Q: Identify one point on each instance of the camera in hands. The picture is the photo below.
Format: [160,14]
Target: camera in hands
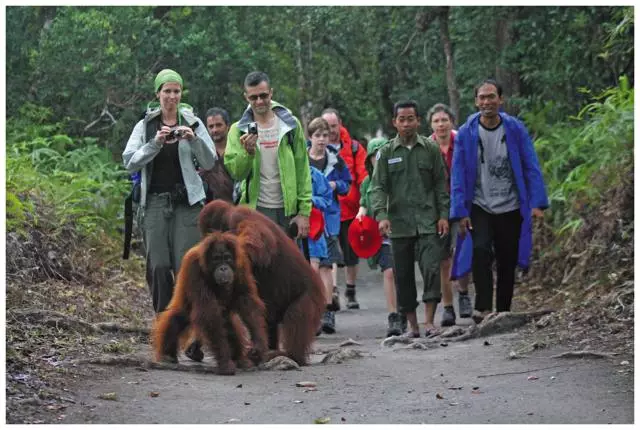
[175,134]
[253,128]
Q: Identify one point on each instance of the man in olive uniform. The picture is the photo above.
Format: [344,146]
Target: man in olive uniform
[410,201]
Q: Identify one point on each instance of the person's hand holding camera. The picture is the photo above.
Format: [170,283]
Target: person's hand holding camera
[168,135]
[250,140]
[184,132]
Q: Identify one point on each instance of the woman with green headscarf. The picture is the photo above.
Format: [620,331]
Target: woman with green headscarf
[163,146]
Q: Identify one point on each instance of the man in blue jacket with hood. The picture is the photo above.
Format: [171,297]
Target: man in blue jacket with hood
[496,188]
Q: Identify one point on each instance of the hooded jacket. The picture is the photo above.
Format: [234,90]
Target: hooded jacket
[526,174]
[350,203]
[293,162]
[142,148]
[322,197]
[374,145]
[336,170]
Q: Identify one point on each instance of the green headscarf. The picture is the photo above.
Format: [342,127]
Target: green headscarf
[167,75]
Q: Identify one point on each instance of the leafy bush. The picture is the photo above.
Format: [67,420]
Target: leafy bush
[75,178]
[586,156]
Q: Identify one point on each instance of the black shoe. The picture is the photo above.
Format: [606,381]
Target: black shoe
[335,299]
[464,306]
[448,317]
[350,294]
[329,322]
[194,351]
[395,324]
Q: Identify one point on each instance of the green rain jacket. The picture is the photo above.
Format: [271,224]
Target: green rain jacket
[293,162]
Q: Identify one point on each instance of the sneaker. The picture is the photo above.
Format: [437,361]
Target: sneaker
[335,299]
[395,324]
[448,317]
[329,322]
[464,306]
[350,294]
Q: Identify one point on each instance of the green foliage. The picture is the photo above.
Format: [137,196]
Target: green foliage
[75,179]
[584,158]
[94,66]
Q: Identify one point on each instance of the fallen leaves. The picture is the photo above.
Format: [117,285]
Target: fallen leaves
[325,420]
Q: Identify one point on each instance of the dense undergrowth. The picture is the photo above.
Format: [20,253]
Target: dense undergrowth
[64,238]
[583,252]
[63,253]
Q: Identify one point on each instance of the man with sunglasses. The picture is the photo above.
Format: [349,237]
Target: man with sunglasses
[272,163]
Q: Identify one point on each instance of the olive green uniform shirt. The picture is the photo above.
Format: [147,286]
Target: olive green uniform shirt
[409,187]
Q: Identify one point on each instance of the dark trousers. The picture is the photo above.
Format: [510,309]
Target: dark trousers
[429,250]
[494,236]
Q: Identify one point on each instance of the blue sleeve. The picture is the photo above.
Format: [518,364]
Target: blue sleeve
[458,209]
[322,195]
[531,170]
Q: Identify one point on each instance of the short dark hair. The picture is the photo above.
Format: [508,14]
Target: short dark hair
[489,81]
[255,78]
[333,111]
[215,111]
[441,107]
[406,104]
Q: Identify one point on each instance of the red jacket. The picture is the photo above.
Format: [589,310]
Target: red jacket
[350,203]
[448,156]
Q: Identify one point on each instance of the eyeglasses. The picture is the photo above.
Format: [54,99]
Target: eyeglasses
[263,96]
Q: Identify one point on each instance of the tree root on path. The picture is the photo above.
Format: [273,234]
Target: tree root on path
[139,362]
[66,322]
[493,324]
[584,354]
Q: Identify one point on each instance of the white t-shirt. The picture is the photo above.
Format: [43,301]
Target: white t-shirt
[270,195]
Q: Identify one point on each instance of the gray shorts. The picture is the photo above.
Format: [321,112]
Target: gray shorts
[334,253]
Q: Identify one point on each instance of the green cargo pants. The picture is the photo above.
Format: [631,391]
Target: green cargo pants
[427,249]
[170,230]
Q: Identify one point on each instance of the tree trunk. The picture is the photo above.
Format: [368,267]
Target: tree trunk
[452,88]
[506,74]
[305,104]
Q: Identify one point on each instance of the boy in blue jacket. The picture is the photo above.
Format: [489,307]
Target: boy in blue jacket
[335,170]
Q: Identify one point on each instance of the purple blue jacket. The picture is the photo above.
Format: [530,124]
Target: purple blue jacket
[526,173]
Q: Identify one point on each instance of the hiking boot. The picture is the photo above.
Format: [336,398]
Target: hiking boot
[448,317]
[335,299]
[194,351]
[329,322]
[464,306]
[350,294]
[395,324]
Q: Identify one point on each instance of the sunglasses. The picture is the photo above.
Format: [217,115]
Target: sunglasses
[263,96]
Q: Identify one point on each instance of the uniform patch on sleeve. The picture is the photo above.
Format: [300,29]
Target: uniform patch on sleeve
[395,160]
[377,155]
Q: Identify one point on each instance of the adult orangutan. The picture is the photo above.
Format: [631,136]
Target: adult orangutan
[215,283]
[291,291]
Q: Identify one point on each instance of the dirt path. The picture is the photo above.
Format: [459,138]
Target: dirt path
[445,384]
